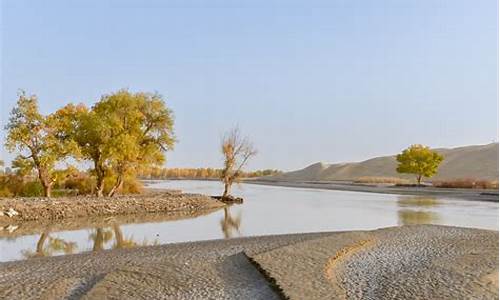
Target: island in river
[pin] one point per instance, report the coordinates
(153, 201)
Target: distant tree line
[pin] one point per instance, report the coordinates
(197, 173)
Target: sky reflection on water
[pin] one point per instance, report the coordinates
(266, 210)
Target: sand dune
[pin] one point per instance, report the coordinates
(479, 162)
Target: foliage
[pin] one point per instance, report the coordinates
(236, 151)
(381, 179)
(130, 185)
(122, 133)
(12, 185)
(419, 160)
(197, 173)
(466, 183)
(73, 183)
(34, 137)
(31, 189)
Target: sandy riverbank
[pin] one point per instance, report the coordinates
(409, 262)
(467, 194)
(43, 210)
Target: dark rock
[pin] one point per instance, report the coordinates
(229, 199)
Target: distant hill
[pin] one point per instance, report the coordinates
(478, 162)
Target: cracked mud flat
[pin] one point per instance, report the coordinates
(409, 262)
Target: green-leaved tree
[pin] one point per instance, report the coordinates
(419, 160)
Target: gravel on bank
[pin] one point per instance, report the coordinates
(36, 209)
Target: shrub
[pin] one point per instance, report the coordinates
(83, 183)
(78, 183)
(12, 185)
(381, 179)
(5, 192)
(130, 185)
(32, 189)
(466, 183)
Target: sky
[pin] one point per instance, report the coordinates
(306, 81)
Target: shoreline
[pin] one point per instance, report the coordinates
(345, 265)
(22, 228)
(44, 210)
(465, 194)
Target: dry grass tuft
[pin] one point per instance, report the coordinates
(466, 183)
(381, 179)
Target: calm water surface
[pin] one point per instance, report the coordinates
(267, 210)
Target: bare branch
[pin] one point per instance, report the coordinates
(237, 151)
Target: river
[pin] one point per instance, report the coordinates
(266, 210)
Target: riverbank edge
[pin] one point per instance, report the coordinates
(183, 264)
(152, 201)
(464, 194)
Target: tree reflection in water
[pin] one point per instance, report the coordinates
(230, 224)
(48, 246)
(417, 210)
(102, 236)
(120, 241)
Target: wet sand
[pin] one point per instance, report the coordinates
(408, 262)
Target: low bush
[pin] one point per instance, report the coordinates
(130, 185)
(381, 179)
(16, 186)
(84, 184)
(77, 183)
(466, 183)
(31, 189)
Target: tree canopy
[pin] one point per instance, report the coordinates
(122, 133)
(419, 160)
(34, 136)
(139, 129)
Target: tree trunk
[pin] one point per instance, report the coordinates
(227, 189)
(47, 189)
(99, 187)
(44, 180)
(419, 179)
(99, 171)
(118, 185)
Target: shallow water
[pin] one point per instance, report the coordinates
(266, 210)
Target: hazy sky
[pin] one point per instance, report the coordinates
(307, 81)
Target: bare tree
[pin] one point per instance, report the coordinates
(237, 150)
